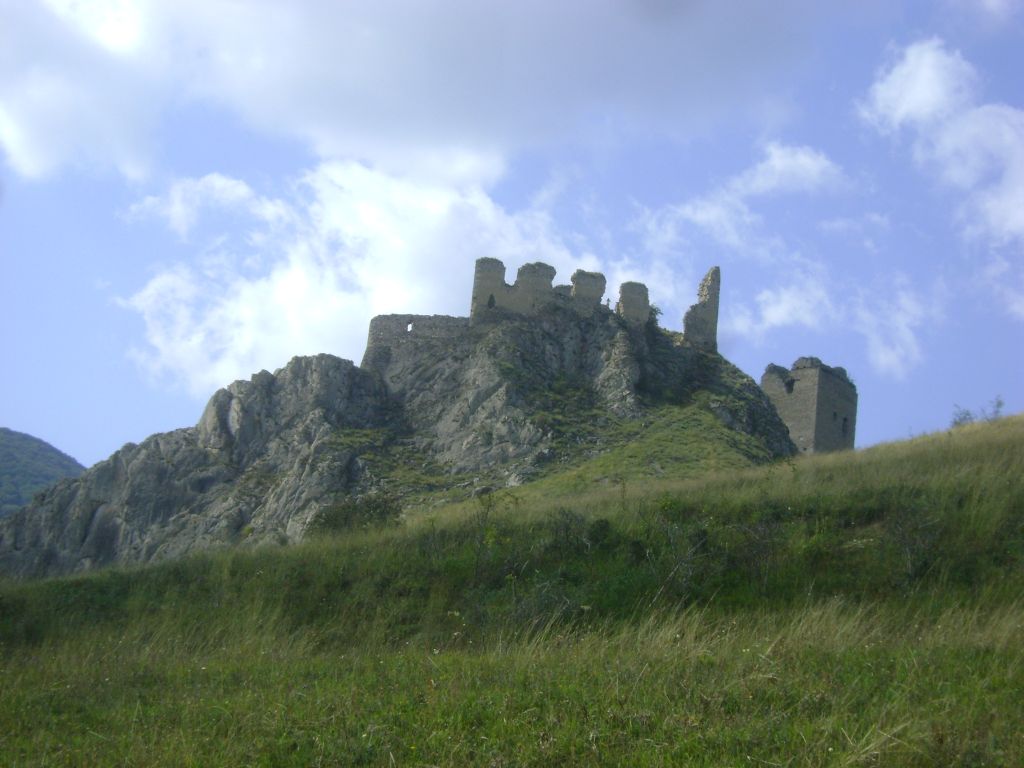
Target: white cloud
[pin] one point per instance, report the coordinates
(114, 24)
(977, 149)
(862, 229)
(725, 213)
(787, 169)
(981, 152)
(443, 89)
(355, 242)
(927, 83)
(802, 301)
(67, 97)
(726, 218)
(186, 198)
(1007, 283)
(996, 11)
(891, 326)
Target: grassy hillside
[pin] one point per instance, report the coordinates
(852, 609)
(27, 466)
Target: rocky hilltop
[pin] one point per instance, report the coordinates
(438, 403)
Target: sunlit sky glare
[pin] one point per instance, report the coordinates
(193, 191)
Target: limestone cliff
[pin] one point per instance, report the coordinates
(435, 403)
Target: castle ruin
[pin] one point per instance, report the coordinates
(817, 402)
(533, 291)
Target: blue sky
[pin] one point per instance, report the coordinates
(192, 191)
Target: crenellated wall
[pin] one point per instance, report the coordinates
(533, 290)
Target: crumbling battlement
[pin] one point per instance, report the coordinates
(633, 306)
(816, 401)
(533, 291)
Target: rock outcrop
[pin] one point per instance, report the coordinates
(447, 396)
(260, 461)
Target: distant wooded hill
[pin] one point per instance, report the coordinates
(28, 465)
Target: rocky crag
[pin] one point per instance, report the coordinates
(521, 388)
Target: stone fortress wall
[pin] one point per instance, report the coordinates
(816, 401)
(392, 331)
(531, 293)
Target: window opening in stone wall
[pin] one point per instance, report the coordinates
(408, 328)
(789, 386)
(846, 424)
(490, 301)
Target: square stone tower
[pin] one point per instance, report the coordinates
(817, 402)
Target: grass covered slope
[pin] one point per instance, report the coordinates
(28, 465)
(839, 610)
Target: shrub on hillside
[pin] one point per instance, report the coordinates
(372, 509)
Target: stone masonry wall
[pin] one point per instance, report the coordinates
(816, 402)
(587, 290)
(795, 397)
(633, 306)
(700, 325)
(389, 331)
(533, 290)
(836, 417)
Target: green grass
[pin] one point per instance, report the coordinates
(852, 609)
(828, 684)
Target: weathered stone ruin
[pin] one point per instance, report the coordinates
(818, 404)
(533, 291)
(700, 324)
(633, 305)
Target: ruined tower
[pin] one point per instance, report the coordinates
(633, 305)
(817, 402)
(700, 325)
